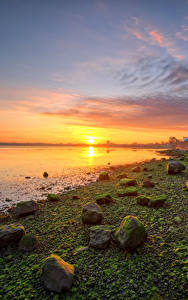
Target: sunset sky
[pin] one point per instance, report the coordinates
(109, 70)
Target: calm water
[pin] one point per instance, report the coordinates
(66, 166)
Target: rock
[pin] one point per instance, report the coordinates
(92, 213)
(177, 219)
(103, 176)
(145, 169)
(53, 197)
(142, 200)
(28, 243)
(104, 198)
(45, 174)
(8, 200)
(131, 233)
(57, 275)
(149, 176)
(127, 182)
(123, 175)
(129, 191)
(174, 167)
(80, 249)
(27, 177)
(148, 184)
(137, 169)
(100, 236)
(25, 208)
(157, 201)
(75, 197)
(11, 233)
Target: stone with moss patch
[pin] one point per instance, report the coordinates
(129, 191)
(157, 201)
(148, 183)
(28, 243)
(100, 236)
(92, 213)
(57, 275)
(137, 169)
(174, 167)
(53, 197)
(143, 200)
(177, 219)
(104, 198)
(103, 176)
(10, 234)
(127, 182)
(25, 208)
(122, 175)
(131, 233)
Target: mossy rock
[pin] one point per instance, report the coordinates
(91, 213)
(28, 243)
(131, 233)
(25, 208)
(177, 219)
(121, 176)
(127, 182)
(174, 167)
(10, 234)
(53, 197)
(100, 236)
(104, 176)
(104, 198)
(129, 191)
(137, 169)
(148, 184)
(57, 275)
(157, 201)
(143, 200)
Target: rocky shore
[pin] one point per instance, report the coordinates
(124, 236)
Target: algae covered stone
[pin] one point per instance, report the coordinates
(100, 236)
(131, 233)
(103, 176)
(148, 184)
(129, 191)
(24, 208)
(57, 275)
(137, 169)
(28, 243)
(174, 167)
(11, 233)
(127, 182)
(53, 197)
(143, 200)
(104, 198)
(91, 213)
(157, 201)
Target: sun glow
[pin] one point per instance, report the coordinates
(91, 140)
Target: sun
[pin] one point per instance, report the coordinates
(91, 140)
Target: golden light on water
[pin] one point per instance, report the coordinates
(91, 151)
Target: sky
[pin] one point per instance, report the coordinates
(109, 69)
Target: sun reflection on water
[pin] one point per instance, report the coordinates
(91, 151)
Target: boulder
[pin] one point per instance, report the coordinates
(131, 233)
(157, 201)
(104, 198)
(53, 197)
(137, 169)
(45, 174)
(100, 236)
(103, 176)
(127, 182)
(174, 167)
(92, 213)
(143, 200)
(148, 184)
(75, 197)
(129, 191)
(11, 233)
(57, 275)
(25, 208)
(123, 175)
(28, 243)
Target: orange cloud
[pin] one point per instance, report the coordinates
(157, 37)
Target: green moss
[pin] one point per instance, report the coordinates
(127, 182)
(129, 191)
(28, 242)
(104, 176)
(53, 197)
(103, 198)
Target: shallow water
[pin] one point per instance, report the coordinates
(66, 166)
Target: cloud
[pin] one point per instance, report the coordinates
(153, 112)
(154, 75)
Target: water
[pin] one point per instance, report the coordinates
(67, 167)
